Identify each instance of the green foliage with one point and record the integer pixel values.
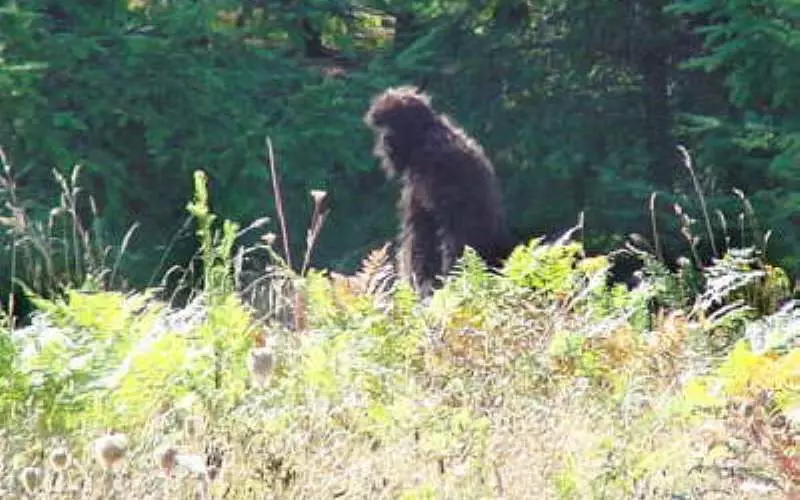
(449, 384)
(577, 114)
(66, 248)
(66, 356)
(578, 104)
(386, 333)
(743, 276)
(108, 359)
(215, 249)
(143, 97)
(13, 384)
(547, 268)
(750, 392)
(104, 359)
(755, 50)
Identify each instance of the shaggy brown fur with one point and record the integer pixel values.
(450, 196)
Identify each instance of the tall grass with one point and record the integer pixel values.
(539, 381)
(66, 249)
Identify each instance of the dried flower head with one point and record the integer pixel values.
(30, 477)
(193, 426)
(260, 363)
(109, 450)
(269, 238)
(59, 458)
(318, 196)
(166, 457)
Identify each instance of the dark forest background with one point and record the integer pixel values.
(580, 104)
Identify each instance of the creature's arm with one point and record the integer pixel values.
(466, 214)
(420, 259)
(452, 222)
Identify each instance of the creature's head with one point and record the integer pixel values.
(400, 108)
(400, 116)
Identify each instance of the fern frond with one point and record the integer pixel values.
(377, 271)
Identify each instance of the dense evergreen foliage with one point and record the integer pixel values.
(580, 104)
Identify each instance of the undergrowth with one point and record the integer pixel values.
(537, 381)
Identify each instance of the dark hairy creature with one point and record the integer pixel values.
(450, 196)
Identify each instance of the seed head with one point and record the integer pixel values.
(318, 196)
(166, 457)
(193, 426)
(30, 477)
(109, 450)
(59, 458)
(260, 364)
(269, 238)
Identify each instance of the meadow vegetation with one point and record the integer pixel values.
(537, 381)
(579, 104)
(255, 342)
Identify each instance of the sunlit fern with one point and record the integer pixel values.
(374, 278)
